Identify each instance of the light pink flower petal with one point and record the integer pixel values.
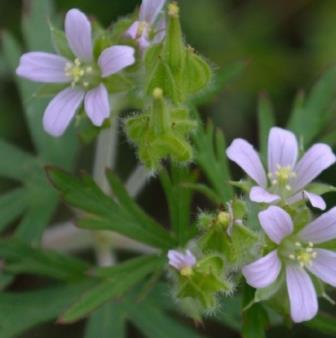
(79, 34)
(150, 9)
(324, 266)
(282, 149)
(315, 200)
(97, 105)
(276, 223)
(264, 271)
(43, 67)
(318, 158)
(322, 229)
(61, 110)
(260, 195)
(143, 41)
(132, 32)
(180, 260)
(190, 258)
(112, 60)
(243, 154)
(302, 295)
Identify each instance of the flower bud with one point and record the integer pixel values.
(174, 48)
(160, 118)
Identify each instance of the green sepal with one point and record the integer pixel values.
(244, 185)
(60, 42)
(136, 126)
(152, 56)
(268, 292)
(88, 132)
(197, 73)
(162, 77)
(48, 90)
(300, 214)
(320, 188)
(244, 245)
(117, 33)
(205, 282)
(118, 83)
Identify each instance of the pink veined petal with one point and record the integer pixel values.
(143, 42)
(322, 229)
(97, 105)
(60, 111)
(302, 295)
(243, 154)
(318, 158)
(112, 60)
(175, 259)
(260, 195)
(264, 271)
(190, 258)
(43, 67)
(132, 32)
(79, 34)
(276, 223)
(179, 260)
(150, 9)
(324, 266)
(282, 149)
(315, 200)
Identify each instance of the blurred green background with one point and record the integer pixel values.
(285, 44)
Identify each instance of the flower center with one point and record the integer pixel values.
(143, 29)
(303, 254)
(281, 178)
(84, 75)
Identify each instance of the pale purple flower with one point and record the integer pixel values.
(295, 255)
(287, 177)
(84, 74)
(149, 28)
(181, 260)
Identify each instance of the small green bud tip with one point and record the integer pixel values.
(157, 93)
(173, 9)
(223, 218)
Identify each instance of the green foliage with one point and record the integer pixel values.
(115, 286)
(266, 122)
(109, 318)
(255, 318)
(210, 156)
(161, 133)
(103, 213)
(36, 200)
(324, 323)
(149, 316)
(35, 307)
(21, 258)
(203, 284)
(316, 111)
(179, 200)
